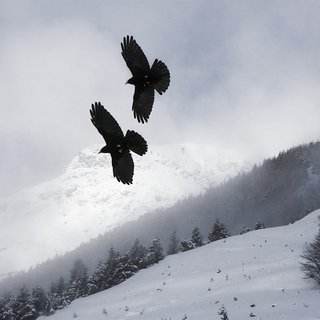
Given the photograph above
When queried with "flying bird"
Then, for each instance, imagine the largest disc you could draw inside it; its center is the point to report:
(144, 79)
(117, 144)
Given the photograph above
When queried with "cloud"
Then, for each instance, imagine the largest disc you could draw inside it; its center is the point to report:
(243, 76)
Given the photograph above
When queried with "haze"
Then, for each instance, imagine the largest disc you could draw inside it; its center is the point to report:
(244, 76)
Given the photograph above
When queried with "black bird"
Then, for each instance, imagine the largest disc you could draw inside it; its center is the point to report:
(144, 79)
(117, 144)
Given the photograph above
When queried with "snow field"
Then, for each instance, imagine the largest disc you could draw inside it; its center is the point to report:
(255, 275)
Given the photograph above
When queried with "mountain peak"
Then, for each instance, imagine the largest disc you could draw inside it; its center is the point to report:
(86, 200)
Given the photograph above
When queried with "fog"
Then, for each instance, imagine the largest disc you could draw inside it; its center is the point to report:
(244, 76)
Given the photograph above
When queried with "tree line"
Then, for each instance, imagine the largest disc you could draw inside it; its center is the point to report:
(279, 191)
(29, 304)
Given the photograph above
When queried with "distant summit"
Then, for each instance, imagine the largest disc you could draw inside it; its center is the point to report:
(85, 201)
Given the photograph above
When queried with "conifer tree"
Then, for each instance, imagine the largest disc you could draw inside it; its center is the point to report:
(245, 229)
(196, 237)
(96, 281)
(22, 306)
(259, 225)
(219, 231)
(123, 270)
(58, 296)
(110, 268)
(173, 246)
(311, 255)
(154, 252)
(78, 285)
(186, 245)
(137, 254)
(6, 303)
(223, 313)
(39, 300)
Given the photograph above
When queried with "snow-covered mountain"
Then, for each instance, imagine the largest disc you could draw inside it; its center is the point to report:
(56, 216)
(255, 275)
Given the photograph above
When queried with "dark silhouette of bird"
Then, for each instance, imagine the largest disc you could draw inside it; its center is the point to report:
(117, 144)
(144, 79)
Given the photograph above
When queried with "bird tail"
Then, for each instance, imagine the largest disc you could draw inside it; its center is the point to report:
(136, 142)
(160, 71)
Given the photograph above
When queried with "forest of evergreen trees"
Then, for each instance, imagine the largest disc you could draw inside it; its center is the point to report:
(279, 191)
(28, 304)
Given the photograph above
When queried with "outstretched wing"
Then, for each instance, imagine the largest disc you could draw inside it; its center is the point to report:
(142, 103)
(134, 56)
(105, 123)
(123, 167)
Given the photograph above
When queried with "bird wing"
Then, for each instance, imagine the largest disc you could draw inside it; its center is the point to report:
(123, 167)
(136, 142)
(105, 123)
(143, 99)
(161, 75)
(134, 56)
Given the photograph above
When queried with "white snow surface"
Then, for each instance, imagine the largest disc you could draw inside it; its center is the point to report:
(257, 273)
(86, 200)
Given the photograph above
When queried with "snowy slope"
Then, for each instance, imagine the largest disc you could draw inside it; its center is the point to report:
(256, 273)
(56, 216)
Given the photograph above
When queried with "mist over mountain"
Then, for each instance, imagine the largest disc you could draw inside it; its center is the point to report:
(57, 216)
(279, 191)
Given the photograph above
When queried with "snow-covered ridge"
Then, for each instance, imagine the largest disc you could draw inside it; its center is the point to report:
(254, 276)
(56, 216)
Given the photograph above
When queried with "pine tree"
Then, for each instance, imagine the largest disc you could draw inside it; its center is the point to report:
(57, 296)
(259, 225)
(196, 237)
(154, 252)
(39, 300)
(186, 245)
(62, 293)
(123, 270)
(22, 306)
(78, 284)
(311, 254)
(137, 254)
(96, 281)
(223, 313)
(245, 229)
(110, 267)
(219, 231)
(174, 242)
(6, 303)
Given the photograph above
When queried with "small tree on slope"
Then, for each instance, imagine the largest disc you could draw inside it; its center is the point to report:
(196, 237)
(39, 300)
(6, 302)
(223, 313)
(22, 306)
(219, 231)
(78, 284)
(311, 254)
(137, 254)
(173, 246)
(154, 252)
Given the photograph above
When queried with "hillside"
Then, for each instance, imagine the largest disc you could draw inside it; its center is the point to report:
(57, 216)
(278, 191)
(253, 275)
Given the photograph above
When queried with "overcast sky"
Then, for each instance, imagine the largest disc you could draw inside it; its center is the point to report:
(245, 75)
